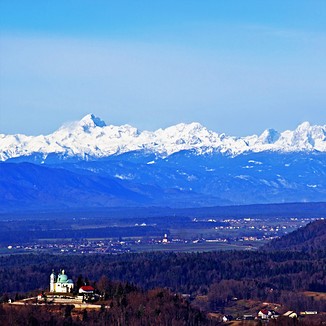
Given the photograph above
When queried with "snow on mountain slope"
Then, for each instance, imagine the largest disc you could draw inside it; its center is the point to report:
(92, 138)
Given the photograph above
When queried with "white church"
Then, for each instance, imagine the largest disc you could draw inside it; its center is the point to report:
(61, 283)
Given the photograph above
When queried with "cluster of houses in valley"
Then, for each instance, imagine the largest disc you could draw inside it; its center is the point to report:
(265, 314)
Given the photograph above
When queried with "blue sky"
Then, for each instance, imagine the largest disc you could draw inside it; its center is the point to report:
(235, 66)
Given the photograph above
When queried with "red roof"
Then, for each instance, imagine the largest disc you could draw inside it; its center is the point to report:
(87, 288)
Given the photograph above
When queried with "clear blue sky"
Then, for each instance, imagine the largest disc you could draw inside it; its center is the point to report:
(235, 66)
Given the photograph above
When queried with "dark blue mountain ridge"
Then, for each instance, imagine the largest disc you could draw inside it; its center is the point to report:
(245, 179)
(31, 186)
(183, 179)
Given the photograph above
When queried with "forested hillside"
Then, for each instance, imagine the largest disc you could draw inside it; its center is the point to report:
(312, 237)
(272, 276)
(122, 304)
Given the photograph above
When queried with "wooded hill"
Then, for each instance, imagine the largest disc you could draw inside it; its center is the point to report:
(311, 238)
(272, 276)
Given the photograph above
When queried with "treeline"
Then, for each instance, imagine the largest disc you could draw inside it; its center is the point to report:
(256, 275)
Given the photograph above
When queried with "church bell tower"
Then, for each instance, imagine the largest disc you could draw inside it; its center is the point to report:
(52, 281)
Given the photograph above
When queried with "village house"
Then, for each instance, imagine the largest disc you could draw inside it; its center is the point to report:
(227, 318)
(87, 292)
(263, 314)
(86, 289)
(291, 314)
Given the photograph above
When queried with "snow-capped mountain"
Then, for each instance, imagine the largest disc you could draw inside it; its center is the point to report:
(91, 164)
(91, 138)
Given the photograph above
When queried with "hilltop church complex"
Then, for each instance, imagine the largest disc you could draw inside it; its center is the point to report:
(61, 283)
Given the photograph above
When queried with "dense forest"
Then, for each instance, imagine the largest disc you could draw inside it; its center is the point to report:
(312, 237)
(269, 276)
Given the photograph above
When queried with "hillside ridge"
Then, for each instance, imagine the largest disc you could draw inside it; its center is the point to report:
(311, 237)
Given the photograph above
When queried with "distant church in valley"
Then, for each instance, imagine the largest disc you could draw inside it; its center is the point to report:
(61, 283)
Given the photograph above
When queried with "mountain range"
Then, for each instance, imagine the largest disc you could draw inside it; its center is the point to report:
(91, 164)
(91, 138)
